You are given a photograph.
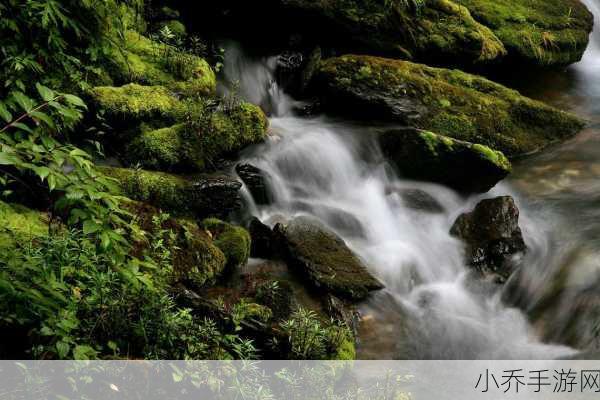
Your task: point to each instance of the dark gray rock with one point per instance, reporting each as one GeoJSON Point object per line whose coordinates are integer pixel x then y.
{"type": "Point", "coordinates": [492, 236]}
{"type": "Point", "coordinates": [322, 257]}
{"type": "Point", "coordinates": [255, 180]}
{"type": "Point", "coordinates": [264, 243]}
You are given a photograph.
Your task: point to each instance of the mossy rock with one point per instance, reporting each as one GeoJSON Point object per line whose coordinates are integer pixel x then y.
{"type": "Point", "coordinates": [196, 261]}
{"type": "Point", "coordinates": [130, 105]}
{"type": "Point", "coordinates": [198, 196]}
{"type": "Point", "coordinates": [149, 63]}
{"type": "Point", "coordinates": [188, 147]}
{"type": "Point", "coordinates": [448, 102]}
{"type": "Point", "coordinates": [463, 166]}
{"type": "Point", "coordinates": [19, 225]}
{"type": "Point", "coordinates": [537, 32]}
{"type": "Point", "coordinates": [324, 260]}
{"type": "Point", "coordinates": [234, 241]}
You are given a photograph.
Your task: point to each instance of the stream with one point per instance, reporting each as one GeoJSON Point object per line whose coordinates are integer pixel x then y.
{"type": "Point", "coordinates": [333, 170]}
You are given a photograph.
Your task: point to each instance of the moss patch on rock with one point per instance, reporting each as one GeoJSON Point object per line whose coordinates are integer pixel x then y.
{"type": "Point", "coordinates": [149, 63]}
{"type": "Point", "coordinates": [540, 32]}
{"type": "Point", "coordinates": [449, 102]}
{"type": "Point", "coordinates": [19, 225]}
{"type": "Point", "coordinates": [200, 195]}
{"type": "Point", "coordinates": [234, 241]}
{"type": "Point", "coordinates": [463, 166]}
{"type": "Point", "coordinates": [191, 147]}
{"type": "Point", "coordinates": [130, 105]}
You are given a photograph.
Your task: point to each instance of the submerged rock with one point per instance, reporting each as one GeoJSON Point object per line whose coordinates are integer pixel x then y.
{"type": "Point", "coordinates": [324, 259]}
{"type": "Point", "coordinates": [417, 199]}
{"type": "Point", "coordinates": [448, 102]}
{"type": "Point", "coordinates": [492, 236]}
{"type": "Point", "coordinates": [536, 32]}
{"type": "Point", "coordinates": [463, 166]}
{"type": "Point", "coordinates": [255, 180]}
{"type": "Point", "coordinates": [200, 195]}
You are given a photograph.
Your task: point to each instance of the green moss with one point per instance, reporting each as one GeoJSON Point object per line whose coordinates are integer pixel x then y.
{"type": "Point", "coordinates": [19, 225]}
{"type": "Point", "coordinates": [441, 30]}
{"type": "Point", "coordinates": [149, 63]}
{"type": "Point", "coordinates": [132, 104]}
{"type": "Point", "coordinates": [190, 147]}
{"type": "Point", "coordinates": [234, 241]}
{"type": "Point", "coordinates": [542, 32]}
{"type": "Point", "coordinates": [175, 194]}
{"type": "Point", "coordinates": [493, 156]}
{"type": "Point", "coordinates": [346, 350]}
{"type": "Point", "coordinates": [481, 111]}
{"type": "Point", "coordinates": [196, 259]}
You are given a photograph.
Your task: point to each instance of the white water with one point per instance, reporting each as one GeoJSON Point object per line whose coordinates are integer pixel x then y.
{"type": "Point", "coordinates": [331, 170]}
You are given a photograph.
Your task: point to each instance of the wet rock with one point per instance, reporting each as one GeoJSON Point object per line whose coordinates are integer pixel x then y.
{"type": "Point", "coordinates": [418, 199]}
{"type": "Point", "coordinates": [340, 310]}
{"type": "Point", "coordinates": [462, 166]}
{"type": "Point", "coordinates": [338, 219]}
{"type": "Point", "coordinates": [323, 258]}
{"type": "Point", "coordinates": [255, 180]}
{"type": "Point", "coordinates": [492, 236]}
{"type": "Point", "coordinates": [264, 243]}
{"type": "Point", "coordinates": [200, 195]}
{"type": "Point", "coordinates": [447, 102]}
{"type": "Point", "coordinates": [296, 69]}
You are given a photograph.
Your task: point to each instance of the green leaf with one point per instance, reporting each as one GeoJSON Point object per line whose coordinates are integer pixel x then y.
{"type": "Point", "coordinates": [51, 182]}
{"type": "Point", "coordinates": [42, 172]}
{"type": "Point", "coordinates": [76, 101]}
{"type": "Point", "coordinates": [22, 100]}
{"type": "Point", "coordinates": [4, 113]}
{"type": "Point", "coordinates": [84, 352]}
{"type": "Point", "coordinates": [62, 349]}
{"type": "Point", "coordinates": [46, 93]}
{"type": "Point", "coordinates": [7, 158]}
{"type": "Point", "coordinates": [89, 227]}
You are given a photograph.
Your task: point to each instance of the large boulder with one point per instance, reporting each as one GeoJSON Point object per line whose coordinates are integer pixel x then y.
{"type": "Point", "coordinates": [200, 195]}
{"type": "Point", "coordinates": [196, 146]}
{"type": "Point", "coordinates": [255, 180]}
{"type": "Point", "coordinates": [317, 253]}
{"type": "Point", "coordinates": [536, 32]}
{"type": "Point", "coordinates": [448, 102]}
{"type": "Point", "coordinates": [143, 61]}
{"type": "Point", "coordinates": [463, 166]}
{"type": "Point", "coordinates": [492, 236]}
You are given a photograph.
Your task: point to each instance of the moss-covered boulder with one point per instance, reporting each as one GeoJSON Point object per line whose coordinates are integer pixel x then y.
{"type": "Point", "coordinates": [322, 257]}
{"type": "Point", "coordinates": [19, 225]}
{"type": "Point", "coordinates": [201, 195]}
{"type": "Point", "coordinates": [128, 106]}
{"type": "Point", "coordinates": [143, 61]}
{"type": "Point", "coordinates": [189, 147]}
{"type": "Point", "coordinates": [536, 32]}
{"type": "Point", "coordinates": [234, 241]}
{"type": "Point", "coordinates": [449, 102]}
{"type": "Point", "coordinates": [463, 166]}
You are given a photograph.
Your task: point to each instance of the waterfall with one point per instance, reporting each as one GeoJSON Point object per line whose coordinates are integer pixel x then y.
{"type": "Point", "coordinates": [335, 172]}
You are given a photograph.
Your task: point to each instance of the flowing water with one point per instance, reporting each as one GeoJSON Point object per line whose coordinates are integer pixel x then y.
{"type": "Point", "coordinates": [333, 170]}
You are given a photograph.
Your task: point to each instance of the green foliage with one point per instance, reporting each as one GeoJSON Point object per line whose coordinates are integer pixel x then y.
{"type": "Point", "coordinates": [310, 338]}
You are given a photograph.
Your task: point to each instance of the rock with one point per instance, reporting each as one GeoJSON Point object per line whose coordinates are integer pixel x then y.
{"type": "Point", "coordinates": [194, 147]}
{"type": "Point", "coordinates": [200, 195]}
{"type": "Point", "coordinates": [128, 106]}
{"type": "Point", "coordinates": [324, 259]}
{"type": "Point", "coordinates": [263, 240]}
{"type": "Point", "coordinates": [339, 310]}
{"type": "Point", "coordinates": [278, 295]}
{"type": "Point", "coordinates": [536, 32]}
{"type": "Point", "coordinates": [418, 199]}
{"type": "Point", "coordinates": [448, 102]}
{"type": "Point", "coordinates": [295, 70]}
{"type": "Point", "coordinates": [150, 63]}
{"type": "Point", "coordinates": [462, 166]}
{"type": "Point", "coordinates": [492, 235]}
{"type": "Point", "coordinates": [234, 241]}
{"type": "Point", "coordinates": [255, 180]}
{"type": "Point", "coordinates": [197, 260]}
